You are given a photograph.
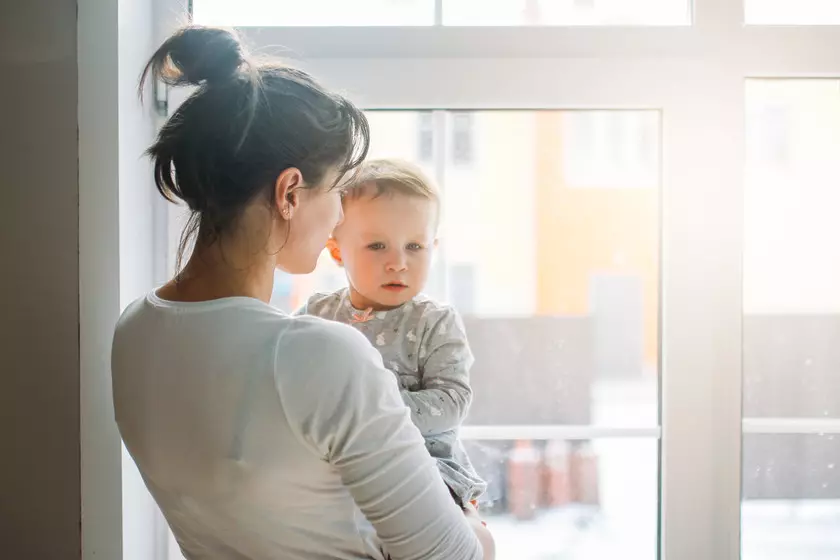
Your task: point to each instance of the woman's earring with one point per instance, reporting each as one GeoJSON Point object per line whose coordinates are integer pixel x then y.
{"type": "Point", "coordinates": [286, 213]}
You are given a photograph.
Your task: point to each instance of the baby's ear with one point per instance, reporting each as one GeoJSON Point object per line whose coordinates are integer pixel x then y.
{"type": "Point", "coordinates": [335, 252]}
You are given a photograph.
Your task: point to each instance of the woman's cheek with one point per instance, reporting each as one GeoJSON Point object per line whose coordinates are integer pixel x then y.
{"type": "Point", "coordinates": [338, 213]}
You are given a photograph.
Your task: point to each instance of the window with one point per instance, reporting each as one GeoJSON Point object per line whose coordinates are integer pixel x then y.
{"type": "Point", "coordinates": [453, 12]}
{"type": "Point", "coordinates": [462, 138]}
{"type": "Point", "coordinates": [462, 287]}
{"type": "Point", "coordinates": [566, 12]}
{"type": "Point", "coordinates": [425, 137]}
{"type": "Point", "coordinates": [586, 149]}
{"type": "Point", "coordinates": [314, 12]}
{"type": "Point", "coordinates": [792, 12]}
{"type": "Point", "coordinates": [570, 499]}
{"type": "Point", "coordinates": [791, 472]}
{"type": "Point", "coordinates": [459, 145]}
{"type": "Point", "coordinates": [791, 500]}
{"type": "Point", "coordinates": [768, 134]}
{"type": "Point", "coordinates": [610, 149]}
{"type": "Point", "coordinates": [571, 305]}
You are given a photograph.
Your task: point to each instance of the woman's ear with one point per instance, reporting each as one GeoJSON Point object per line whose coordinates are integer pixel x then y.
{"type": "Point", "coordinates": [287, 192]}
{"type": "Point", "coordinates": [335, 252]}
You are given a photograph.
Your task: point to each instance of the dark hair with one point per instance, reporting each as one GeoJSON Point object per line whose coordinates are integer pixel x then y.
{"type": "Point", "coordinates": [248, 121]}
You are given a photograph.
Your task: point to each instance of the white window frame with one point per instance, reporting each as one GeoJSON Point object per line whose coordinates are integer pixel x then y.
{"type": "Point", "coordinates": [695, 77]}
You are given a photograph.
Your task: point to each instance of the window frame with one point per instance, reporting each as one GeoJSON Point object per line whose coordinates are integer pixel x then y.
{"type": "Point", "coordinates": [695, 76]}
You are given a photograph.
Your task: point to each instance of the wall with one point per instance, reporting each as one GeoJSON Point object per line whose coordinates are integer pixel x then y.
{"type": "Point", "coordinates": [39, 285]}
{"type": "Point", "coordinates": [77, 195]}
{"type": "Point", "coordinates": [99, 275]}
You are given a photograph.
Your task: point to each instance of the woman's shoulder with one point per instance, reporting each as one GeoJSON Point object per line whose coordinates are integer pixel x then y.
{"type": "Point", "coordinates": [315, 340]}
{"type": "Point", "coordinates": [321, 363]}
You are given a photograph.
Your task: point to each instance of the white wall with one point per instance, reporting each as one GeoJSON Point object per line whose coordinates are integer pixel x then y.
{"type": "Point", "coordinates": [71, 173]}
{"type": "Point", "coordinates": [118, 261]}
{"type": "Point", "coordinates": [99, 275]}
{"type": "Point", "coordinates": [39, 283]}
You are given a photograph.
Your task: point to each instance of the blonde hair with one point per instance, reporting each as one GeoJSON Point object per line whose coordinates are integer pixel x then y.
{"type": "Point", "coordinates": [388, 176]}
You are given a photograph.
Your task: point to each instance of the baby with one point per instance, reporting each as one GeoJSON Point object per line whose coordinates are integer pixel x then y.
{"type": "Point", "coordinates": [385, 244]}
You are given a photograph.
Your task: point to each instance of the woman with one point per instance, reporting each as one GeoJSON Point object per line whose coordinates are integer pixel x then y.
{"type": "Point", "coordinates": [263, 436]}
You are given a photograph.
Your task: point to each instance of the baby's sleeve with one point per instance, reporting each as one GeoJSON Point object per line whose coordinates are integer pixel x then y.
{"type": "Point", "coordinates": [444, 400]}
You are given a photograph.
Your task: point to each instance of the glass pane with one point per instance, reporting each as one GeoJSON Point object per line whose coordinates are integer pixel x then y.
{"type": "Point", "coordinates": [553, 262]}
{"type": "Point", "coordinates": [791, 253]}
{"type": "Point", "coordinates": [792, 12]}
{"type": "Point", "coordinates": [313, 12]}
{"type": "Point", "coordinates": [791, 508]}
{"type": "Point", "coordinates": [566, 12]}
{"type": "Point", "coordinates": [570, 500]}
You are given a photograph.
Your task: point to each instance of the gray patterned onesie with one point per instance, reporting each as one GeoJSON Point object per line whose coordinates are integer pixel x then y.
{"type": "Point", "coordinates": [424, 344]}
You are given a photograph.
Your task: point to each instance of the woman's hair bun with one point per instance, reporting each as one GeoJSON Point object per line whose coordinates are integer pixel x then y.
{"type": "Point", "coordinates": [197, 54]}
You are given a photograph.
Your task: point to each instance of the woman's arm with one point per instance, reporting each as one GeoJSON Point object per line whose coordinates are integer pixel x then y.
{"type": "Point", "coordinates": [346, 407]}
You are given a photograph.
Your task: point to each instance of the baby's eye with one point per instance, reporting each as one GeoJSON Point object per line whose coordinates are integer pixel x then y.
{"type": "Point", "coordinates": [376, 246]}
{"type": "Point", "coordinates": [414, 247]}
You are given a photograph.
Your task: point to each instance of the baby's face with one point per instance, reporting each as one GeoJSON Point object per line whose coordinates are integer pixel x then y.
{"type": "Point", "coordinates": [386, 246]}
